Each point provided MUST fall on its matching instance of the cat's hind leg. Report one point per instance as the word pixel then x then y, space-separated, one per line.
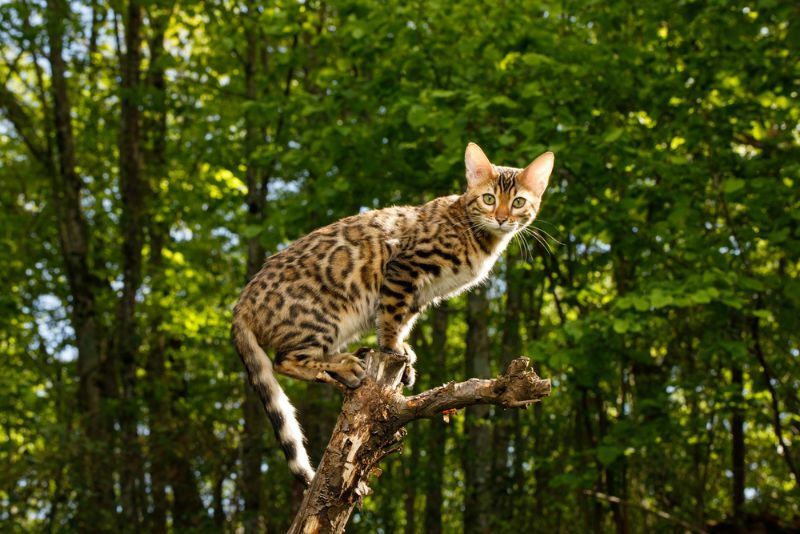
pixel 308 362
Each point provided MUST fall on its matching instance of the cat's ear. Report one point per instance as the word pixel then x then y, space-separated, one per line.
pixel 479 169
pixel 535 176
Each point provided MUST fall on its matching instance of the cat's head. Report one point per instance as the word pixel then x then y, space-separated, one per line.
pixel 504 199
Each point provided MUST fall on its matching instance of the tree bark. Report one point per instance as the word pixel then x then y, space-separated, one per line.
pixel 505 422
pixel 410 479
pixel 133 192
pixel 254 421
pixel 777 426
pixel 737 446
pixel 477 452
pixel 371 426
pixel 96 510
pixel 438 431
pixel 158 389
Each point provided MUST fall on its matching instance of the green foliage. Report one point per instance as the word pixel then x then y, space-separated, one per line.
pixel 669 257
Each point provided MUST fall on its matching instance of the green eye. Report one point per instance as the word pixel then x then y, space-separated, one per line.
pixel 518 202
pixel 488 199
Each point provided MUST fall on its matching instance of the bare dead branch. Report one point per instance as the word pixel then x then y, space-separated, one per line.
pixel 370 426
pixel 518 388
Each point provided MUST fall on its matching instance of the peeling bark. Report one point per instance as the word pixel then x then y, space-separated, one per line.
pixel 370 426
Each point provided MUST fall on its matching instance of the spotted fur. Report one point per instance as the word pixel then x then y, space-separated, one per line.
pixel 381 268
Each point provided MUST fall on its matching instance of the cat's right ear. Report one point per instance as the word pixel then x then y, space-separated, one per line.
pixel 479 169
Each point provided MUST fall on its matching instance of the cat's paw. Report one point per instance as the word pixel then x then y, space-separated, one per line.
pixel 349 370
pixel 394 351
pixel 409 375
pixel 409 353
pixel 403 350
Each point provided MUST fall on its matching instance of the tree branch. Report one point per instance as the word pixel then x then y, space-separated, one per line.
pixel 517 388
pixel 370 426
pixel 16 114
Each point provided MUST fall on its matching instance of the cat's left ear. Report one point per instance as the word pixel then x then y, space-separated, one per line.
pixel 535 176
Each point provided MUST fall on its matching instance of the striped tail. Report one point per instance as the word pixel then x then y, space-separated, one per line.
pixel 276 403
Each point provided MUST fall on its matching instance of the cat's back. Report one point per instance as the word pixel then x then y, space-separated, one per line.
pixel 335 270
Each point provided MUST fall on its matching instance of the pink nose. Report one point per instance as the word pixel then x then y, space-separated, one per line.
pixel 500 219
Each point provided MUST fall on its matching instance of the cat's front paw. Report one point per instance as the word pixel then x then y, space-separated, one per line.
pixel 349 370
pixel 409 373
pixel 409 353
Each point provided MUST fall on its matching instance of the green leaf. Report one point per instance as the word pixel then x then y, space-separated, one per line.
pixel 417 116
pixel 732 185
pixel 606 454
pixel 621 326
pixel 613 134
pixel 641 304
pixel 659 299
pixel 251 231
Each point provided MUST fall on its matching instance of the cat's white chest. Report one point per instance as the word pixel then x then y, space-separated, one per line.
pixel 452 281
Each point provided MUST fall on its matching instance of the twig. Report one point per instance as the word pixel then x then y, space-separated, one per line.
pixel 660 513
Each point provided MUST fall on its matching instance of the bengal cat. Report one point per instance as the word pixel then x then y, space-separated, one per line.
pixel 379 268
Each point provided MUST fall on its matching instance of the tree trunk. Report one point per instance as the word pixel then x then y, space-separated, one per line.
pixel 253 411
pixel 478 432
pixel 737 447
pixel 126 341
pixel 410 479
pixel 777 425
pixel 95 509
pixel 505 422
pixel 434 478
pixel 370 426
pixel 158 387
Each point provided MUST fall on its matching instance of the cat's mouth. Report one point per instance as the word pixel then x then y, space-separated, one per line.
pixel 502 229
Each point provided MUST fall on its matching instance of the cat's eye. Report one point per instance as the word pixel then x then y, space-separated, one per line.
pixel 488 199
pixel 518 202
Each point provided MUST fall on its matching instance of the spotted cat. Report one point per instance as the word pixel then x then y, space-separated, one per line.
pixel 380 268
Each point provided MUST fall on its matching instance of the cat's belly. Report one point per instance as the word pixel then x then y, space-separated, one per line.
pixel 356 321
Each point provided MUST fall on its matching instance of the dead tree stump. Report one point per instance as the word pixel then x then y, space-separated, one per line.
pixel 371 426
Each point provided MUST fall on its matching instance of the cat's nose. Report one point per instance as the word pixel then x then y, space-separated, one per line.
pixel 501 219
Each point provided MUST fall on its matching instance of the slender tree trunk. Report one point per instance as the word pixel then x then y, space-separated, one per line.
pixel 410 479
pixel 592 509
pixel 189 512
pixel 478 433
pixel 437 434
pixel 158 387
pixel 133 193
pixel 737 446
pixel 620 467
pixel 777 425
pixel 506 421
pixel 254 418
pixel 522 439
pixel 219 510
pixel 95 508
pixel 616 482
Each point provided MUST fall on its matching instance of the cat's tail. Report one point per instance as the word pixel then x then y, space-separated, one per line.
pixel 279 410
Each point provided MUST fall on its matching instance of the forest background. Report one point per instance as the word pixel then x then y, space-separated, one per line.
pixel 153 151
